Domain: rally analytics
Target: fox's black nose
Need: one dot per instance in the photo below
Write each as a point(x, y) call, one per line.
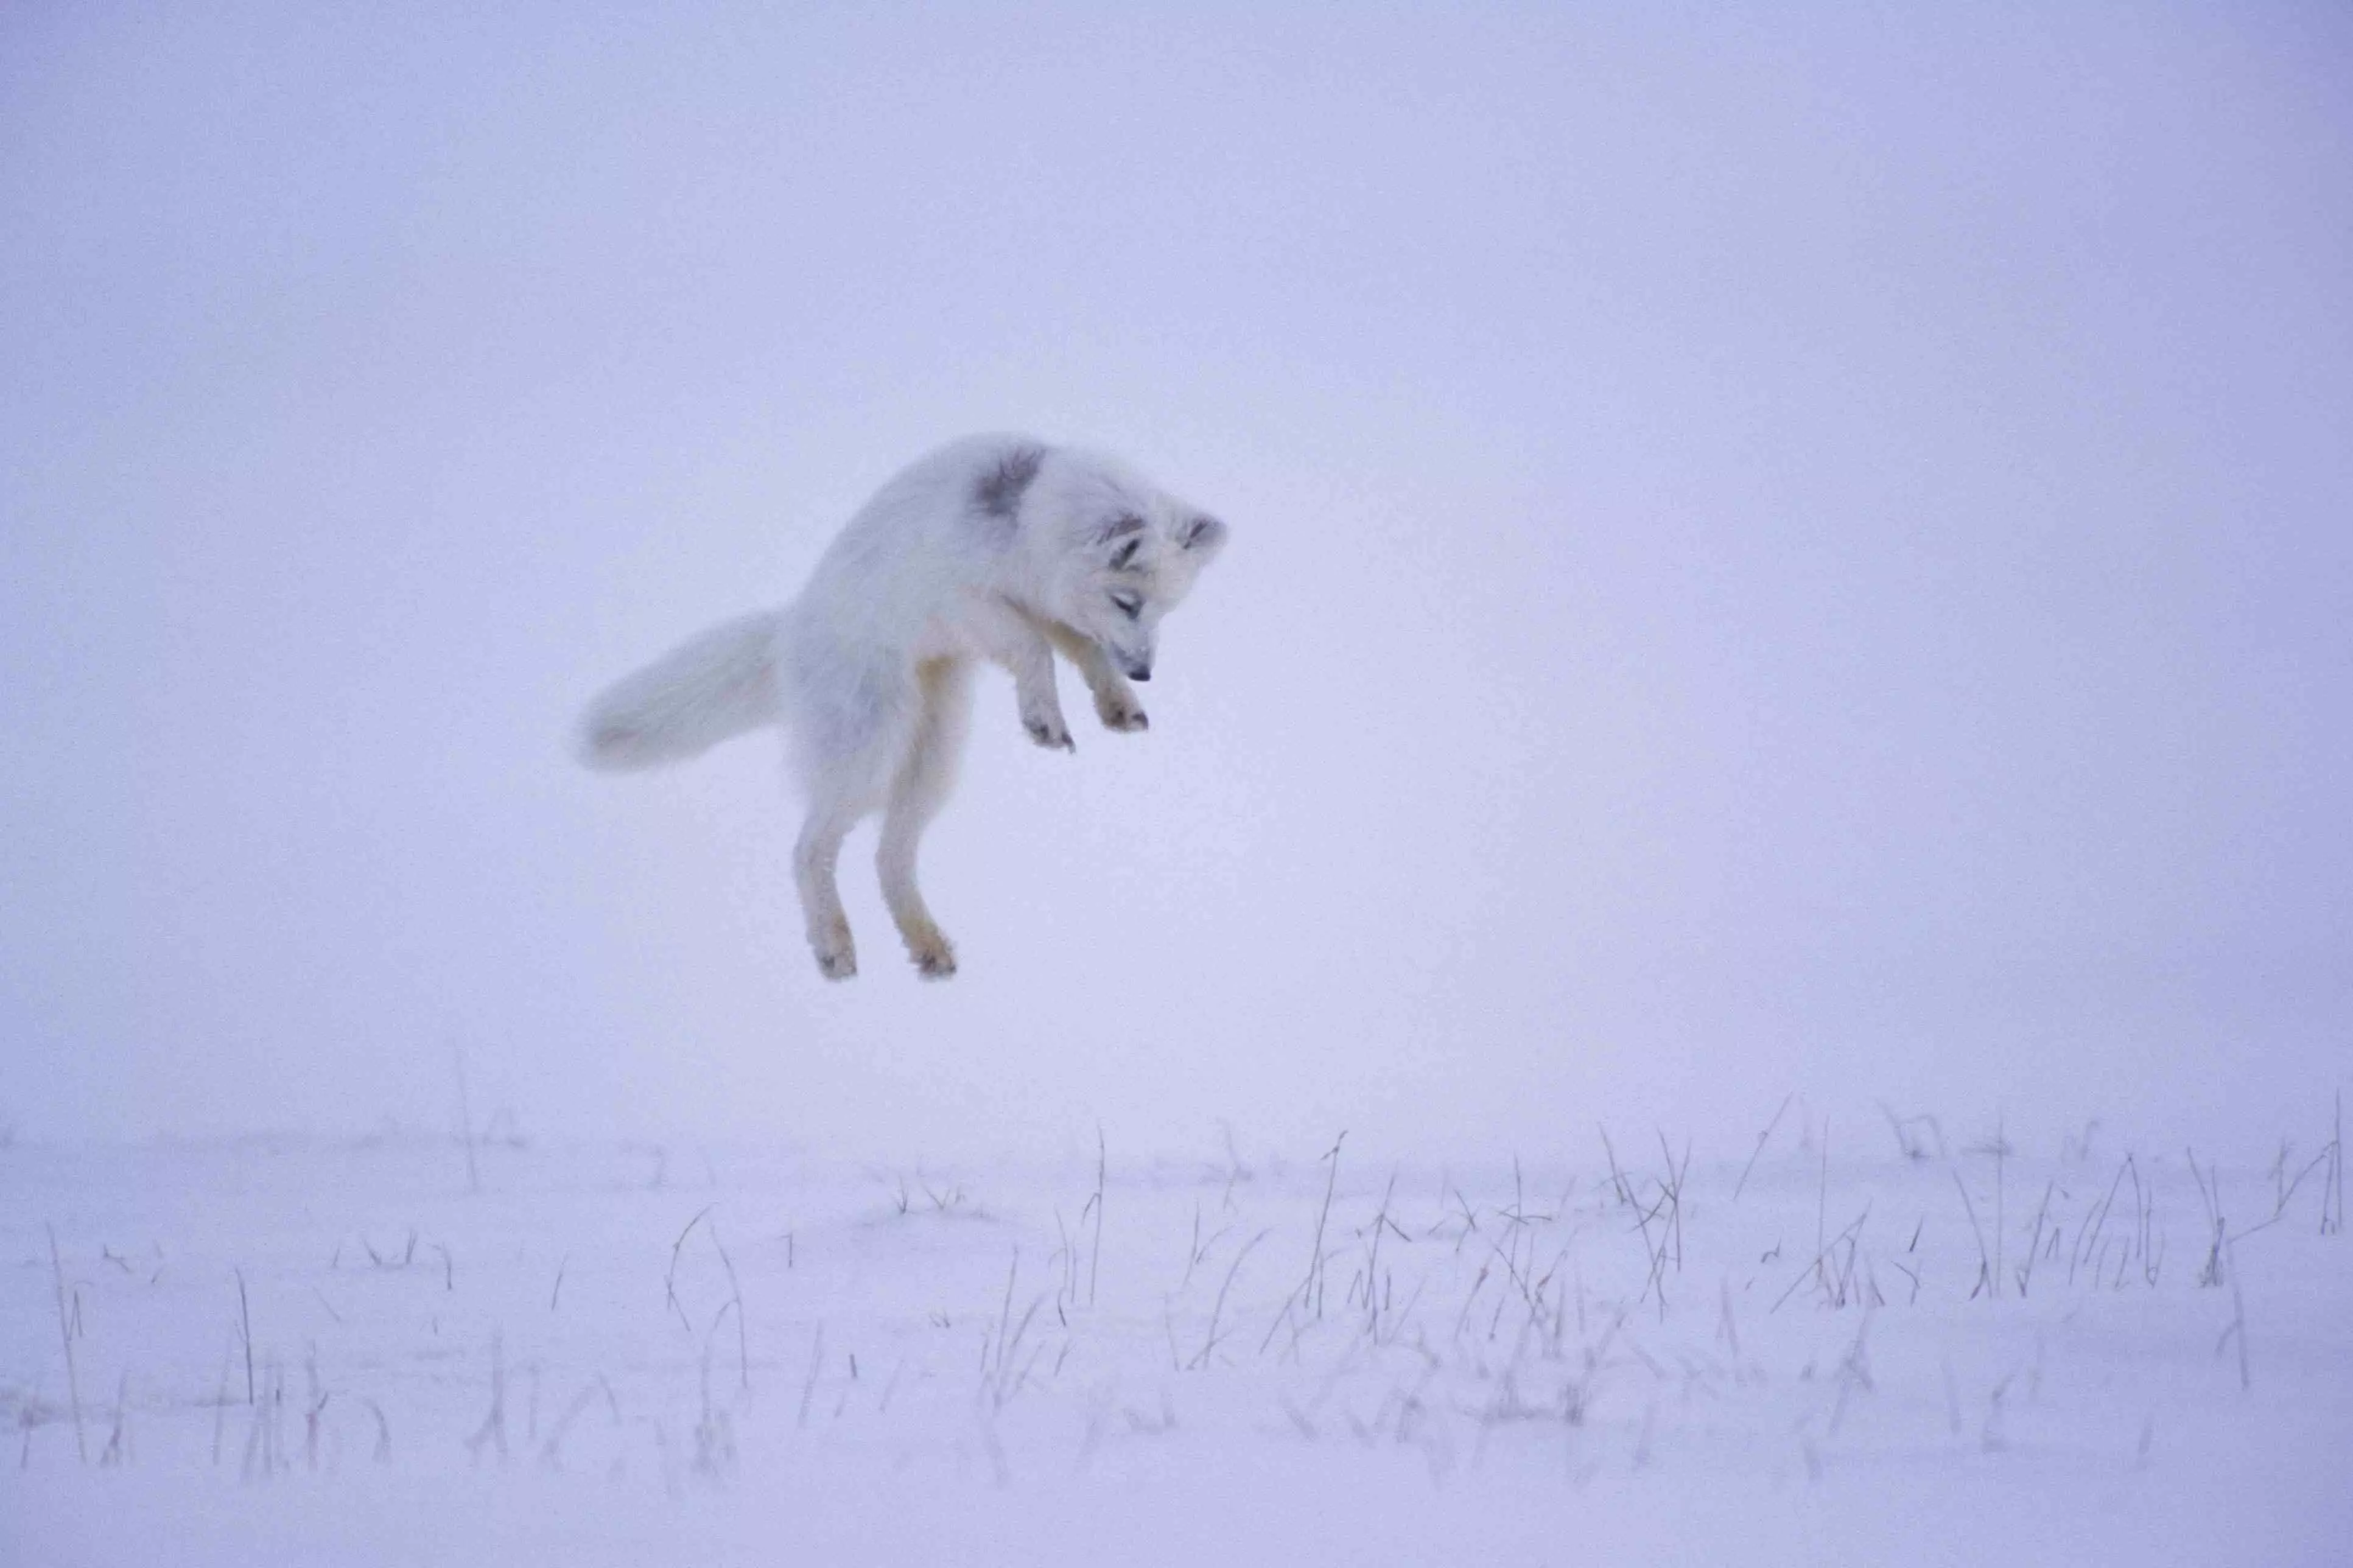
point(1139, 672)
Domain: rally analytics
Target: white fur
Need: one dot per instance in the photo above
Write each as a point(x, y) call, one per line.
point(997, 548)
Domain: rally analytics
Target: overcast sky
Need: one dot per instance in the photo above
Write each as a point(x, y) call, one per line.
point(1798, 554)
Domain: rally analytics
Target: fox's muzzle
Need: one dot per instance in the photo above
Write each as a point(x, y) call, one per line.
point(1139, 671)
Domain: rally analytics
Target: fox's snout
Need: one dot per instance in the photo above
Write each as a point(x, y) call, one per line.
point(1139, 671)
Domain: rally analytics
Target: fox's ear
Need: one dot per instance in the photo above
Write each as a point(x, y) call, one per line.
point(1204, 536)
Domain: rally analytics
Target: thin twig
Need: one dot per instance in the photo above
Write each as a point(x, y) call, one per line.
point(1094, 1259)
point(1985, 1264)
point(466, 1125)
point(817, 1361)
point(735, 1300)
point(244, 1332)
point(65, 1337)
point(1312, 1288)
point(670, 1280)
point(1211, 1341)
point(1761, 1139)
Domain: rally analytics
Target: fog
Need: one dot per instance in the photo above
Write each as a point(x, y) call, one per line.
point(1777, 556)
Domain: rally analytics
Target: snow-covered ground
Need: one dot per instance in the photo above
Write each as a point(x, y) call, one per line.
point(291, 1351)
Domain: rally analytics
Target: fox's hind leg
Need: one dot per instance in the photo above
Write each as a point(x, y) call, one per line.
point(849, 722)
point(925, 777)
point(813, 863)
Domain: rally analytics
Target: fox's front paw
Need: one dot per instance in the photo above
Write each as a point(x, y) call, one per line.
point(1049, 733)
point(1121, 713)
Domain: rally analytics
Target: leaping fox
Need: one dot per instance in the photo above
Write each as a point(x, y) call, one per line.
point(995, 547)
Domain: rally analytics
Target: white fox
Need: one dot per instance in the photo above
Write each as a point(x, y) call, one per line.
point(996, 547)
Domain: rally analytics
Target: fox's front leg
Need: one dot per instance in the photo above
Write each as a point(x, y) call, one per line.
point(1031, 660)
point(1115, 699)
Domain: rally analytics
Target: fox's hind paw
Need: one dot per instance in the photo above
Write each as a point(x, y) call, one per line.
point(1124, 716)
point(935, 960)
point(837, 962)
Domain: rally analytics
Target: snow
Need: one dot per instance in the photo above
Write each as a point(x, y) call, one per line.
point(1629, 1352)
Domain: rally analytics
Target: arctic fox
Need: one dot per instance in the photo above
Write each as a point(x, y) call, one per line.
point(995, 547)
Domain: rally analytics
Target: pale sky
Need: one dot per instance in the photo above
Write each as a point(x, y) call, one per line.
point(1798, 554)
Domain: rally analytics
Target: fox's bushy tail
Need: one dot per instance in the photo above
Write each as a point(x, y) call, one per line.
point(718, 684)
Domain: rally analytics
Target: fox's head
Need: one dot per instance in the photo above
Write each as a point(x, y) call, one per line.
point(1142, 572)
point(1130, 555)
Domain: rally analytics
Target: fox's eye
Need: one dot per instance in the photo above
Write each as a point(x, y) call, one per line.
point(1129, 605)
